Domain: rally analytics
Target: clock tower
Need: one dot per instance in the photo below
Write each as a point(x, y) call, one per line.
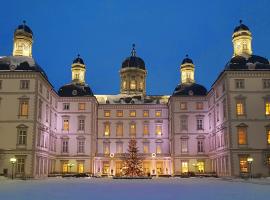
point(23, 40)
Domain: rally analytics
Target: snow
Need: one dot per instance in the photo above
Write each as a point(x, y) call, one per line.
point(156, 189)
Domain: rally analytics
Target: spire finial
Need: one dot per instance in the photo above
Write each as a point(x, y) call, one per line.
point(133, 52)
point(24, 22)
point(78, 55)
point(240, 21)
point(186, 55)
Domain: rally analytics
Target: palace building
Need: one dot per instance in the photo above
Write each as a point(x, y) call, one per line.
point(192, 130)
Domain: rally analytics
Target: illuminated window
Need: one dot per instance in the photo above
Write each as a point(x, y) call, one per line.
point(239, 83)
point(133, 85)
point(200, 165)
point(199, 105)
point(158, 148)
point(146, 147)
point(242, 135)
point(65, 146)
point(80, 167)
point(65, 167)
point(124, 85)
point(66, 106)
point(184, 146)
point(158, 129)
point(266, 83)
point(132, 129)
point(132, 113)
point(145, 129)
point(24, 84)
point(106, 129)
point(141, 86)
point(22, 136)
point(119, 129)
point(119, 113)
point(81, 144)
point(158, 113)
point(119, 147)
point(24, 108)
point(81, 106)
point(268, 137)
point(106, 148)
point(107, 113)
point(184, 166)
point(200, 147)
point(66, 125)
point(81, 125)
point(183, 106)
point(267, 108)
point(240, 107)
point(146, 113)
point(243, 164)
point(20, 168)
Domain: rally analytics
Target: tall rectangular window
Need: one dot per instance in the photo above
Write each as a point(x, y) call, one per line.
point(200, 165)
point(20, 165)
point(158, 113)
point(239, 83)
point(268, 137)
point(158, 148)
point(132, 129)
point(240, 110)
point(243, 164)
point(146, 147)
point(107, 129)
point(22, 137)
point(81, 144)
point(40, 109)
point(200, 147)
point(66, 124)
point(184, 146)
point(242, 135)
point(81, 125)
point(199, 124)
point(106, 148)
point(217, 112)
point(183, 123)
point(119, 113)
point(24, 107)
point(119, 129)
point(24, 84)
point(158, 129)
point(184, 166)
point(119, 147)
point(145, 129)
point(47, 113)
point(81, 106)
point(65, 146)
point(267, 108)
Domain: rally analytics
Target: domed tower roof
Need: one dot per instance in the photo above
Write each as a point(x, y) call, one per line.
point(133, 60)
point(23, 28)
point(78, 60)
point(241, 27)
point(73, 90)
point(190, 90)
point(187, 60)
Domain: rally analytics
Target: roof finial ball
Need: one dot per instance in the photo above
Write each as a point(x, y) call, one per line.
point(133, 52)
point(240, 21)
point(78, 55)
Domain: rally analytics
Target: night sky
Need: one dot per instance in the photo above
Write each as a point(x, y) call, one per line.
point(103, 31)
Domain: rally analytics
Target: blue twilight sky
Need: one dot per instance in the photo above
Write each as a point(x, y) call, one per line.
point(102, 31)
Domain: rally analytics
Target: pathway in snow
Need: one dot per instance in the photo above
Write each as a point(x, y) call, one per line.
point(109, 189)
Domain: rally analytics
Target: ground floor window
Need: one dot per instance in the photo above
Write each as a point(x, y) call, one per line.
point(80, 167)
point(106, 167)
point(200, 165)
point(20, 165)
point(159, 167)
point(65, 167)
point(119, 166)
point(184, 167)
point(243, 164)
point(146, 167)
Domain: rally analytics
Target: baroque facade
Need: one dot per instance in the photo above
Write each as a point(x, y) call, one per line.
point(193, 129)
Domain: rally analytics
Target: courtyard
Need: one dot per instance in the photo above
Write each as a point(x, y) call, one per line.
point(156, 189)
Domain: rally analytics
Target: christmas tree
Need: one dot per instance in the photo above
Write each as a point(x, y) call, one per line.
point(133, 163)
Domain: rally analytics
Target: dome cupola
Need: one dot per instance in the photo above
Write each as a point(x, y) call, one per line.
point(78, 70)
point(187, 71)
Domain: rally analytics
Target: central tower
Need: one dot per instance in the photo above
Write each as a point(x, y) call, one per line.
point(133, 75)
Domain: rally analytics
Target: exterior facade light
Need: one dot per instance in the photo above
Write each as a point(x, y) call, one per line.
point(154, 155)
point(13, 161)
point(250, 160)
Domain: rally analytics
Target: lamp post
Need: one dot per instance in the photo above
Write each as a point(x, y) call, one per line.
point(250, 160)
point(70, 165)
point(13, 161)
point(154, 155)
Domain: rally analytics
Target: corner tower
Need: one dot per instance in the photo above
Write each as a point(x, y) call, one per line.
point(241, 39)
point(23, 40)
point(133, 75)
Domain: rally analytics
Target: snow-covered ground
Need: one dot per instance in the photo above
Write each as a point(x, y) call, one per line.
point(156, 189)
